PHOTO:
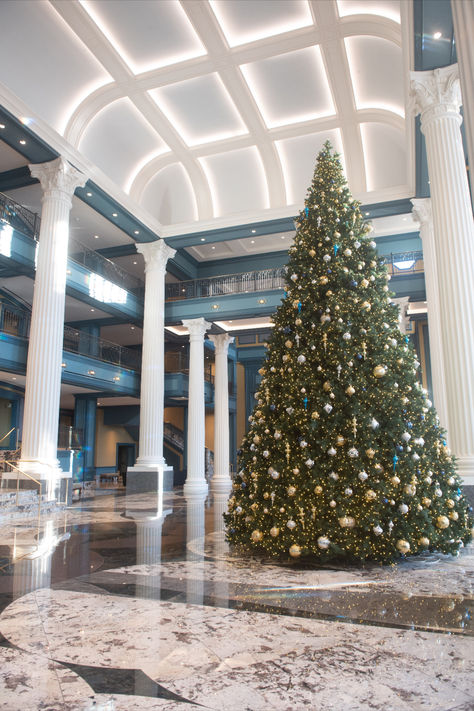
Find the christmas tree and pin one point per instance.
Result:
(344, 456)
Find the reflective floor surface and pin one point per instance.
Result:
(133, 603)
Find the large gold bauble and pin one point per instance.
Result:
(366, 305)
(291, 491)
(442, 522)
(289, 344)
(315, 415)
(318, 489)
(453, 515)
(403, 546)
(380, 371)
(450, 503)
(370, 453)
(274, 532)
(256, 439)
(256, 536)
(350, 390)
(370, 495)
(424, 541)
(327, 386)
(312, 253)
(346, 522)
(295, 551)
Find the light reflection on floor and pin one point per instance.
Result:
(119, 604)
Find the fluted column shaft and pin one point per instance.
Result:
(43, 373)
(196, 479)
(423, 214)
(221, 480)
(463, 19)
(152, 390)
(437, 98)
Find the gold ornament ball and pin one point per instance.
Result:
(298, 322)
(424, 541)
(312, 253)
(266, 495)
(256, 536)
(395, 480)
(442, 522)
(256, 439)
(291, 491)
(295, 551)
(450, 503)
(410, 489)
(315, 415)
(296, 471)
(350, 390)
(327, 386)
(454, 515)
(403, 546)
(340, 440)
(289, 344)
(370, 495)
(274, 532)
(370, 453)
(380, 371)
(426, 501)
(323, 280)
(366, 305)
(318, 489)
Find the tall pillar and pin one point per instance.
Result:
(150, 471)
(58, 179)
(436, 96)
(196, 479)
(221, 481)
(423, 214)
(463, 19)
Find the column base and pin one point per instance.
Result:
(196, 487)
(465, 467)
(221, 485)
(142, 479)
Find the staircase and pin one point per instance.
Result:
(29, 505)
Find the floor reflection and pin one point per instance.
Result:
(141, 598)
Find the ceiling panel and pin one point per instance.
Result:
(44, 62)
(384, 150)
(120, 141)
(237, 181)
(9, 158)
(376, 67)
(169, 196)
(146, 34)
(291, 87)
(243, 21)
(385, 8)
(200, 109)
(298, 156)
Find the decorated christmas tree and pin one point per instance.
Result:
(344, 456)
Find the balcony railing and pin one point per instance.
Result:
(262, 280)
(83, 343)
(177, 362)
(19, 216)
(404, 262)
(99, 264)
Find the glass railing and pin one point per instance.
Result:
(261, 280)
(99, 264)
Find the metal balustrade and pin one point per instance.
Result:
(404, 262)
(261, 280)
(99, 264)
(84, 344)
(19, 216)
(178, 362)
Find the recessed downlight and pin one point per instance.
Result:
(437, 35)
(23, 142)
(114, 214)
(136, 232)
(89, 194)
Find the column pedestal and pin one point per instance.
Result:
(221, 481)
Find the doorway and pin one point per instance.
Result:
(125, 457)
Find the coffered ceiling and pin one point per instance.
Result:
(205, 111)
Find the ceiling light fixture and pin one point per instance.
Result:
(132, 328)
(92, 309)
(91, 372)
(23, 142)
(254, 231)
(135, 262)
(367, 213)
(114, 214)
(252, 241)
(437, 35)
(96, 236)
(136, 232)
(213, 246)
(89, 194)
(63, 365)
(2, 125)
(203, 239)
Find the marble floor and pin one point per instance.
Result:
(132, 603)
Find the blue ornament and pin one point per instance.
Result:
(336, 248)
(406, 339)
(299, 306)
(399, 448)
(395, 460)
(444, 442)
(272, 407)
(409, 425)
(243, 485)
(422, 417)
(232, 530)
(385, 501)
(306, 211)
(287, 329)
(359, 356)
(329, 271)
(353, 282)
(305, 403)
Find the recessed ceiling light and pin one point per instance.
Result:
(135, 262)
(92, 309)
(367, 213)
(2, 125)
(437, 35)
(91, 372)
(203, 239)
(252, 241)
(96, 236)
(23, 142)
(89, 194)
(213, 246)
(136, 232)
(282, 237)
(116, 378)
(114, 214)
(63, 365)
(14, 378)
(253, 231)
(132, 328)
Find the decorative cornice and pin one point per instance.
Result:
(435, 94)
(197, 327)
(221, 342)
(156, 254)
(58, 178)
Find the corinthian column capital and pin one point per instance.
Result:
(156, 254)
(197, 327)
(422, 211)
(436, 94)
(221, 342)
(58, 178)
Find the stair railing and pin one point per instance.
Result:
(23, 473)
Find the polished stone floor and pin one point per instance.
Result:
(132, 603)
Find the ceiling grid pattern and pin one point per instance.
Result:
(281, 82)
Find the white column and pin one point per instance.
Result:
(152, 390)
(463, 18)
(221, 481)
(196, 479)
(58, 179)
(436, 96)
(422, 213)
